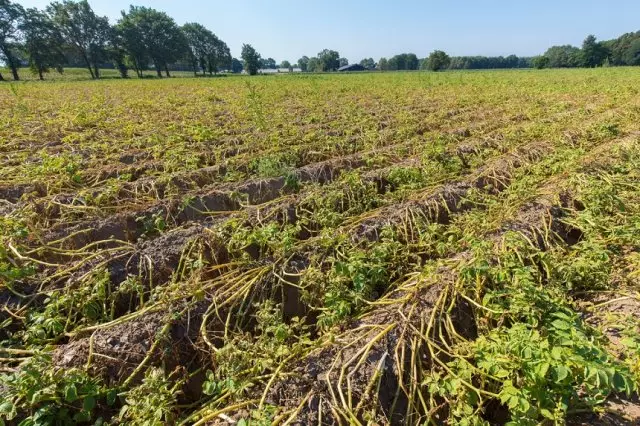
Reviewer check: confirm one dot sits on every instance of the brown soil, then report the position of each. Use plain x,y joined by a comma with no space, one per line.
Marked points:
619,412
14,192
155,338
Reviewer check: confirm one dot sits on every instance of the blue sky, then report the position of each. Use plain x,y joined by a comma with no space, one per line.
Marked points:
288,29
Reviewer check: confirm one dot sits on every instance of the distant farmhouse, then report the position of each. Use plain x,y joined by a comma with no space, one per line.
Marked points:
352,67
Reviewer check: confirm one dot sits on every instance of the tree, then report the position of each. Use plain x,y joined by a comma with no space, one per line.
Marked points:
136,52
540,62
251,59
42,42
383,64
268,63
117,52
619,48
343,62
80,27
314,65
438,60
236,66
152,34
593,53
564,56
632,54
198,40
403,61
396,63
412,62
10,18
511,61
303,63
368,63
218,55
329,60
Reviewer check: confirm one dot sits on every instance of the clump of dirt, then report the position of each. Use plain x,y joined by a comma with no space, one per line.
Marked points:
134,156
327,171
7,207
619,412
12,304
115,353
14,192
543,219
606,311
198,178
154,261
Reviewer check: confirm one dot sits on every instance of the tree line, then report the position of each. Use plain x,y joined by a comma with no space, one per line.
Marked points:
70,33
624,50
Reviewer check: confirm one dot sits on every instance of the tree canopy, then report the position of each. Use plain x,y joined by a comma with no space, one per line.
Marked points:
152,34
303,63
81,28
42,42
329,60
11,15
632,53
403,62
564,56
251,59
438,60
368,63
268,63
593,53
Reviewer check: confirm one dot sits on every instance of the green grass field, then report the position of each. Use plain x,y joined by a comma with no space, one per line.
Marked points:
382,248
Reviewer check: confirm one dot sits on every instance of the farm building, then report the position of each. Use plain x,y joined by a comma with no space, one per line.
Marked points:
277,70
352,67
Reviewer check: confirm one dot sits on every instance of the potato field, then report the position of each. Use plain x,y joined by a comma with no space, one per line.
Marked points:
457,248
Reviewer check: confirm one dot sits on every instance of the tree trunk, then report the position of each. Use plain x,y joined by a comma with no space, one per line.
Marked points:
122,68
158,71
166,70
96,70
86,60
11,61
14,70
136,68
1,77
40,73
